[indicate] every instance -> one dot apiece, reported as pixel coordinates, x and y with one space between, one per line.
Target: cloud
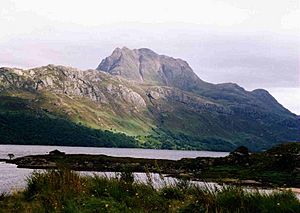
289 97
291 20
97 12
253 43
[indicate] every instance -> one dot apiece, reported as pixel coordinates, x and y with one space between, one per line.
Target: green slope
204 117
21 124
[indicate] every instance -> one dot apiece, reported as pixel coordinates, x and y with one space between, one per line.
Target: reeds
66 191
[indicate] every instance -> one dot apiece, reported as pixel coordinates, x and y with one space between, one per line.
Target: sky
253 43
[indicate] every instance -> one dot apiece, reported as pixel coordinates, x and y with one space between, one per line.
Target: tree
11 156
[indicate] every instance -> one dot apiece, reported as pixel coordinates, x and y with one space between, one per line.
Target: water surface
23 150
13 178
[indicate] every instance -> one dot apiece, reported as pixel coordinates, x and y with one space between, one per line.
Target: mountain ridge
181 113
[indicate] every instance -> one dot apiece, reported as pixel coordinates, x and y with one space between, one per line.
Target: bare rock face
126 94
72 82
131 97
14 77
192 101
145 66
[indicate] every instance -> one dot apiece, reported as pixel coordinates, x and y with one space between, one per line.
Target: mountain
156 100
145 66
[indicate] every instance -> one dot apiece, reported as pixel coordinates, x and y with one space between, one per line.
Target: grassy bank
66 191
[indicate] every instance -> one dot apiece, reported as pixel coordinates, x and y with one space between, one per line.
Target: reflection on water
12 178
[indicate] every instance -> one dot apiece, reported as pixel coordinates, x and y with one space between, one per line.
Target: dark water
13 178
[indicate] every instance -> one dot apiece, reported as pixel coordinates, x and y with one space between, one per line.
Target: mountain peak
146 51
146 66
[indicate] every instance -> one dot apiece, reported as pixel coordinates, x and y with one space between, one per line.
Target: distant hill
156 99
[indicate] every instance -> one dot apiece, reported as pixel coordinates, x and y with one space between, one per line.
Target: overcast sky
253 43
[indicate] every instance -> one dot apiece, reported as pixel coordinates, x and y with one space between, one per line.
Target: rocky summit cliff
156 99
145 66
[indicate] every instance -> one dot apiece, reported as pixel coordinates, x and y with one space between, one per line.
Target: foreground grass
66 191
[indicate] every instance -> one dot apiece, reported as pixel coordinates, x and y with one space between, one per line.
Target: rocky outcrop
127 94
240 151
196 102
71 82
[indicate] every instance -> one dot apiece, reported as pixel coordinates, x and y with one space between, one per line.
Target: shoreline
239 167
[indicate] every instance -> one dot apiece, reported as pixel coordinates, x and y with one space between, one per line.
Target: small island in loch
278 166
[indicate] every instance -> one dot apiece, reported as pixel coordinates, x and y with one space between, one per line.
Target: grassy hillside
22 124
34 118
206 117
